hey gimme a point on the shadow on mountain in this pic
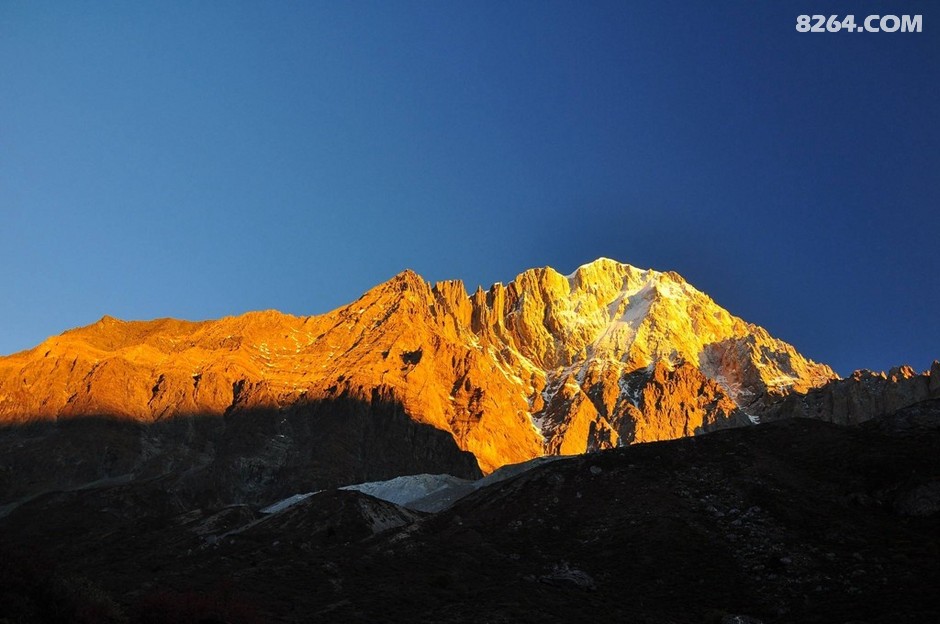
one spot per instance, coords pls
(791, 521)
(251, 456)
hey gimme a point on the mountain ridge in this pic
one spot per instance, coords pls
(548, 363)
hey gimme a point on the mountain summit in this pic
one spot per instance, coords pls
(548, 363)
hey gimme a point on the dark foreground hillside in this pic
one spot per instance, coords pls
(795, 521)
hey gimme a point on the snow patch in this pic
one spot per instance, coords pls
(404, 490)
(539, 424)
(626, 392)
(288, 502)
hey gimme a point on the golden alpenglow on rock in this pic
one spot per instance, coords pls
(548, 363)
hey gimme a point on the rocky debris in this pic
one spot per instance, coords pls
(921, 500)
(337, 516)
(563, 575)
(739, 619)
(919, 417)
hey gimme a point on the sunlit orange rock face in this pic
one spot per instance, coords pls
(548, 363)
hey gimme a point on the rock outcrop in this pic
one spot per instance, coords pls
(862, 396)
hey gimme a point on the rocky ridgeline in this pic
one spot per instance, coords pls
(548, 363)
(862, 396)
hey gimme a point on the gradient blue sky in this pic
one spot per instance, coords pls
(201, 159)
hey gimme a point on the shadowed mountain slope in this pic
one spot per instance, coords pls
(793, 521)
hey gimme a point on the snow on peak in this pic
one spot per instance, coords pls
(601, 263)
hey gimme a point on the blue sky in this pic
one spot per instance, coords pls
(202, 159)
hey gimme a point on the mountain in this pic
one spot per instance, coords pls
(606, 356)
(402, 459)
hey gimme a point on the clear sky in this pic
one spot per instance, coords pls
(201, 159)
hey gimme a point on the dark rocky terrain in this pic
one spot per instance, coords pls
(861, 396)
(792, 521)
(253, 456)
